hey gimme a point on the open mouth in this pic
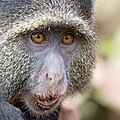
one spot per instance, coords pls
(47, 102)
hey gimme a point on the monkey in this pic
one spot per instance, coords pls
(47, 54)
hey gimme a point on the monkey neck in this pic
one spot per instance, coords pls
(52, 116)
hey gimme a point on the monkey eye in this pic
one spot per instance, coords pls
(67, 39)
(38, 38)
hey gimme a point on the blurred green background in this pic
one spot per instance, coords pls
(103, 102)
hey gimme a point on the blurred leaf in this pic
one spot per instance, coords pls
(108, 48)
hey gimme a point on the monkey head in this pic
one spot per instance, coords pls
(51, 52)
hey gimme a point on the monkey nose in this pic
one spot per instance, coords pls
(48, 77)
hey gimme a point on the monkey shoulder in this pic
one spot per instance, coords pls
(9, 112)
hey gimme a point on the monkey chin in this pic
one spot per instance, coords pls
(42, 105)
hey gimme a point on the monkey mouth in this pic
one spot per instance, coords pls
(46, 102)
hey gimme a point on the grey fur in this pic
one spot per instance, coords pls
(18, 17)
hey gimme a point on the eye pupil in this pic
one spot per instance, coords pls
(38, 38)
(68, 39)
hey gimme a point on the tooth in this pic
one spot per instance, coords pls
(44, 96)
(46, 102)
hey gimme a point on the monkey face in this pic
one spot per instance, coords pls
(51, 50)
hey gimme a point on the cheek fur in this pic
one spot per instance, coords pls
(19, 68)
(80, 69)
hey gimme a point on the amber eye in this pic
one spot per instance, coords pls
(38, 38)
(68, 39)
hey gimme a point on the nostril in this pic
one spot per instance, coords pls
(50, 78)
(47, 75)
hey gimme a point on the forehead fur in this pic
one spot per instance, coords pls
(45, 13)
